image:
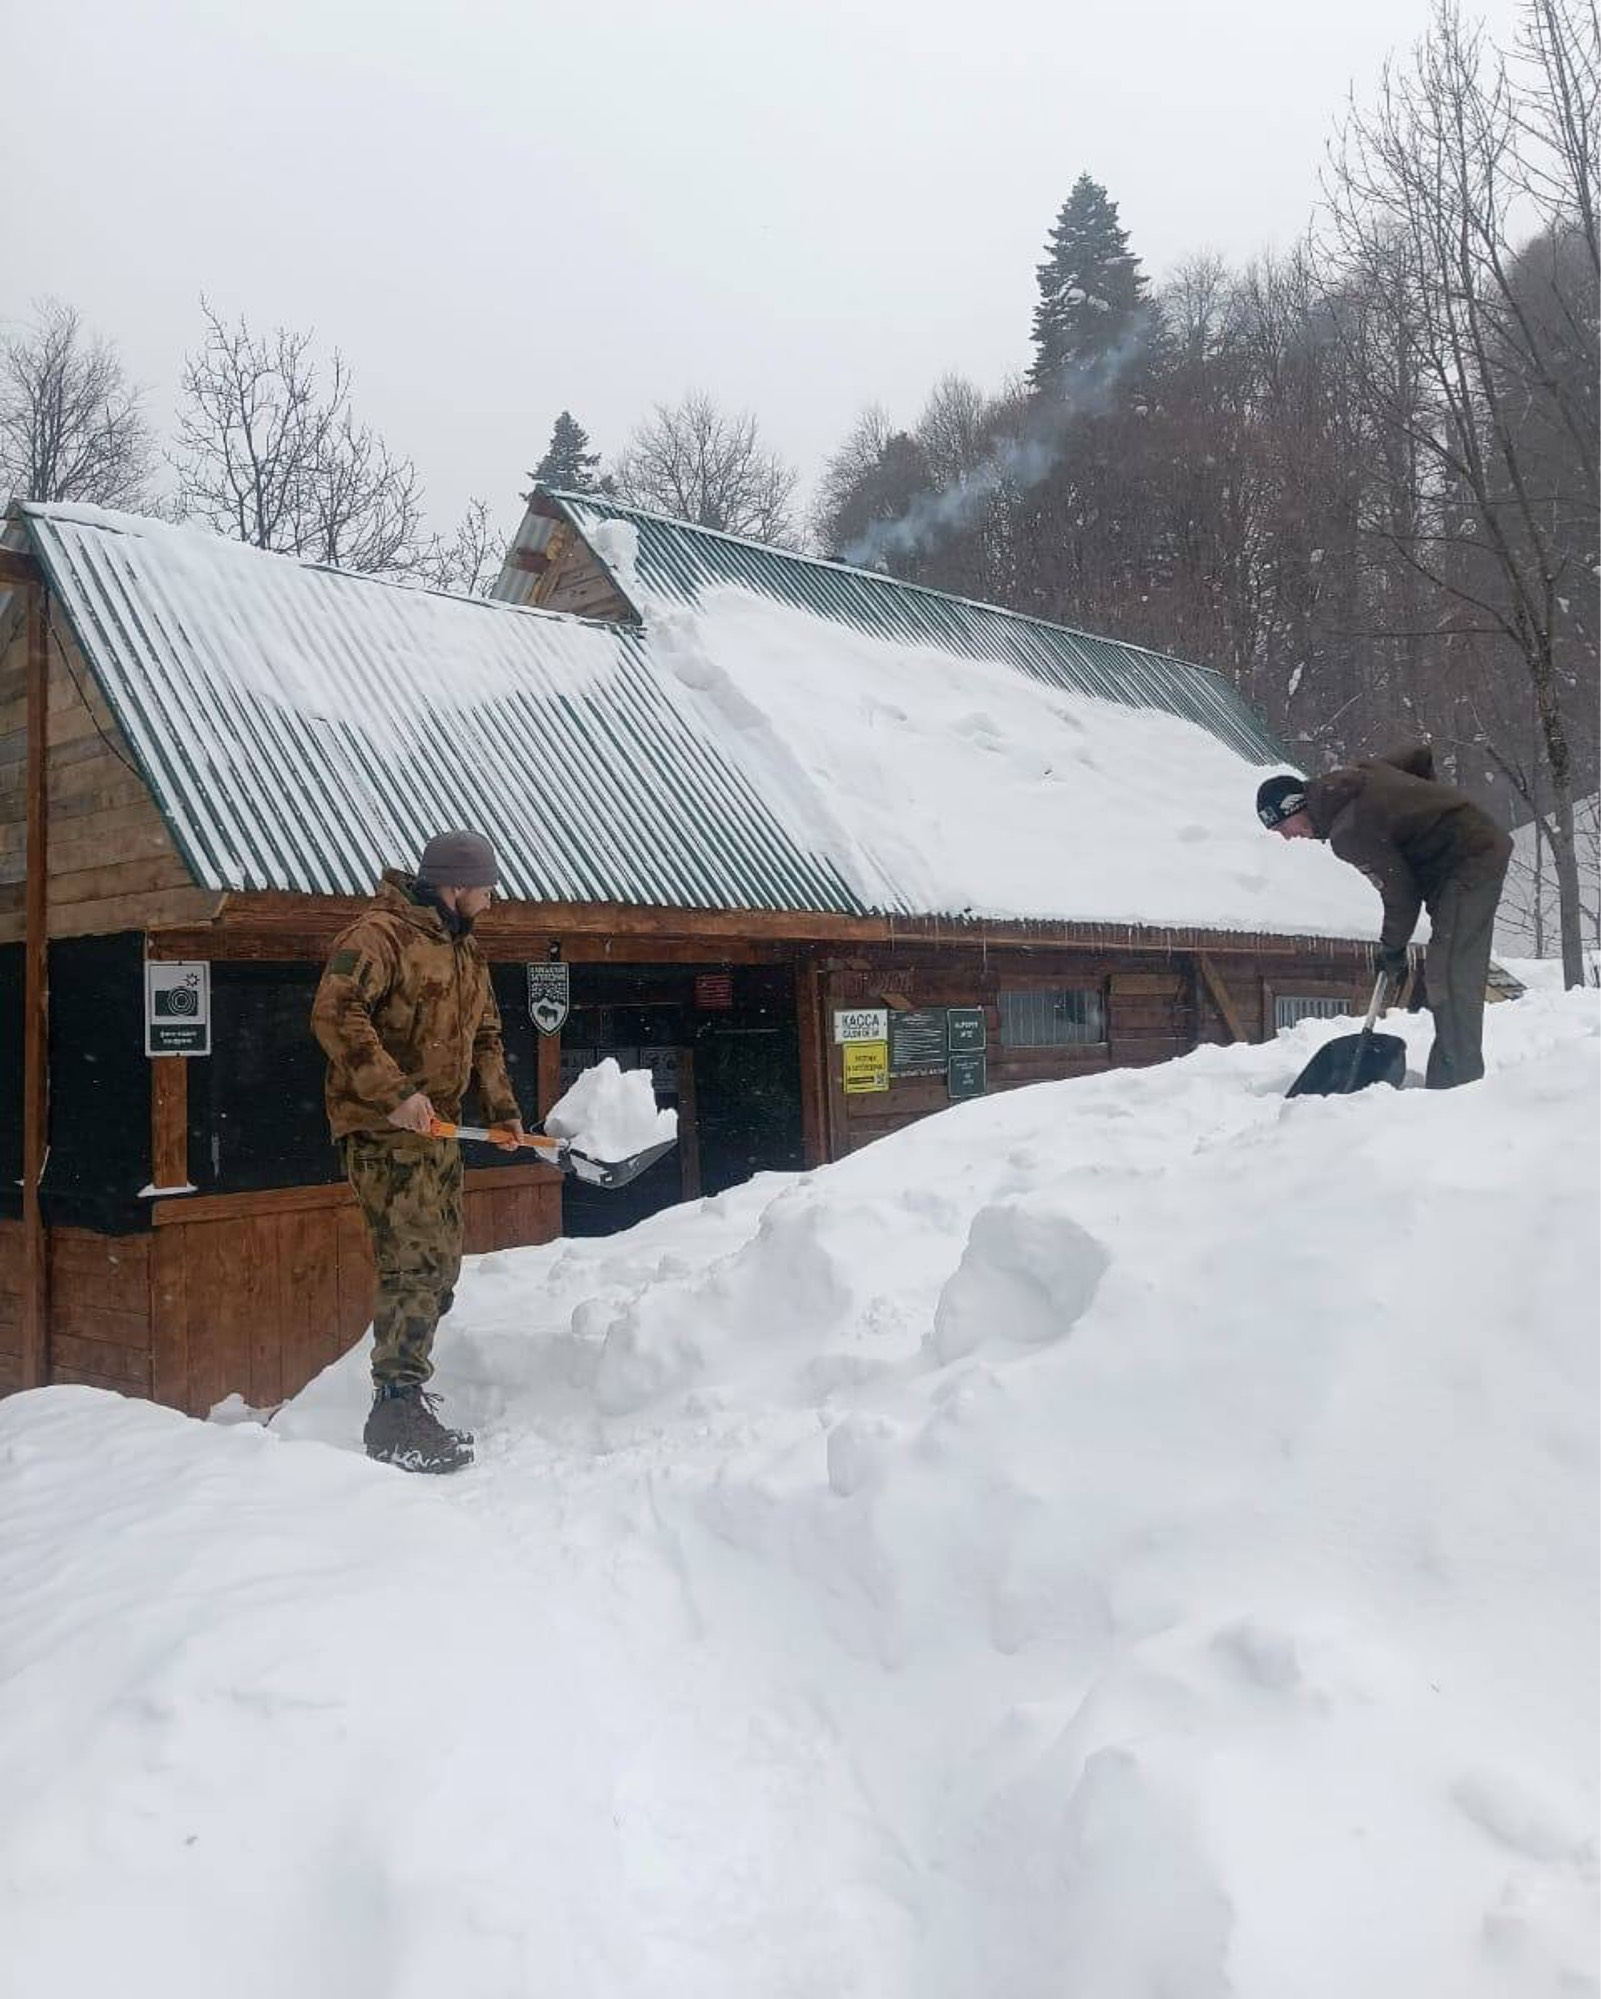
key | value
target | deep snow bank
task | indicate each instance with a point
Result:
(1132, 1536)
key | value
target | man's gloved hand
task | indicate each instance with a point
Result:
(1393, 962)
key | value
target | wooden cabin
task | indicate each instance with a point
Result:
(208, 754)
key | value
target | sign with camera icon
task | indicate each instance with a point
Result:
(177, 1009)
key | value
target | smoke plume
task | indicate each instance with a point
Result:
(1019, 463)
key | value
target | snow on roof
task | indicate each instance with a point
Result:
(301, 728)
(652, 558)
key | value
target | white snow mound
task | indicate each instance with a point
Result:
(1128, 1536)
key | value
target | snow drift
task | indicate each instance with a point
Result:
(1132, 1536)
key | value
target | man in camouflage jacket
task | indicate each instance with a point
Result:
(407, 1018)
(1422, 844)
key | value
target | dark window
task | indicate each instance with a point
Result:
(256, 1116)
(256, 1105)
(1052, 1017)
(99, 1118)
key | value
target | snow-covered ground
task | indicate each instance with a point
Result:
(1128, 1537)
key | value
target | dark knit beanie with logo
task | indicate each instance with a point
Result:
(1280, 798)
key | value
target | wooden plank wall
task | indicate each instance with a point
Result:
(255, 1295)
(956, 979)
(247, 1294)
(1156, 1007)
(99, 1309)
(10, 1306)
(112, 862)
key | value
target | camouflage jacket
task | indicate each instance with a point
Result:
(404, 1006)
(1408, 833)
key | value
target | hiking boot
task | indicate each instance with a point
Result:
(403, 1430)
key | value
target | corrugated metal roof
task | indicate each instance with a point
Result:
(679, 561)
(301, 729)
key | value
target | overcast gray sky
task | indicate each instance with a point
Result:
(499, 209)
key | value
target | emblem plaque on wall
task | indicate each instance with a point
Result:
(549, 996)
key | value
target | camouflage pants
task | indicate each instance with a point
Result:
(410, 1196)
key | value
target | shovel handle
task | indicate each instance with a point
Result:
(1365, 1037)
(549, 1149)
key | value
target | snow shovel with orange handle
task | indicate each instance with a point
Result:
(558, 1152)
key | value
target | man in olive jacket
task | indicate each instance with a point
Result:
(407, 1018)
(1422, 844)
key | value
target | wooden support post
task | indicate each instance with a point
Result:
(688, 1129)
(813, 1060)
(1220, 998)
(36, 1003)
(549, 1074)
(169, 1124)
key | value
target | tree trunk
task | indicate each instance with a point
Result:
(1559, 762)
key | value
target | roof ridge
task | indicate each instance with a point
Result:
(603, 503)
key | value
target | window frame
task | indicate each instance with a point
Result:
(1044, 989)
(1352, 1000)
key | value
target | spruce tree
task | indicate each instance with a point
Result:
(1092, 291)
(568, 463)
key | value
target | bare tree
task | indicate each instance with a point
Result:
(1558, 112)
(1195, 304)
(954, 429)
(1424, 193)
(470, 562)
(72, 427)
(707, 465)
(853, 460)
(270, 453)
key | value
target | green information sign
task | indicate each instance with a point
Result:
(966, 1076)
(965, 1027)
(917, 1042)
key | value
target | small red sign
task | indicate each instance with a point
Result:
(714, 989)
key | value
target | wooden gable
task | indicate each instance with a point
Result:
(112, 863)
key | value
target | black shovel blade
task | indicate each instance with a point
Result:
(1352, 1062)
(616, 1172)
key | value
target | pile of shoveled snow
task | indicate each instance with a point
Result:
(611, 1113)
(1133, 1536)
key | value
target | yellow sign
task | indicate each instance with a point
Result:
(866, 1066)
